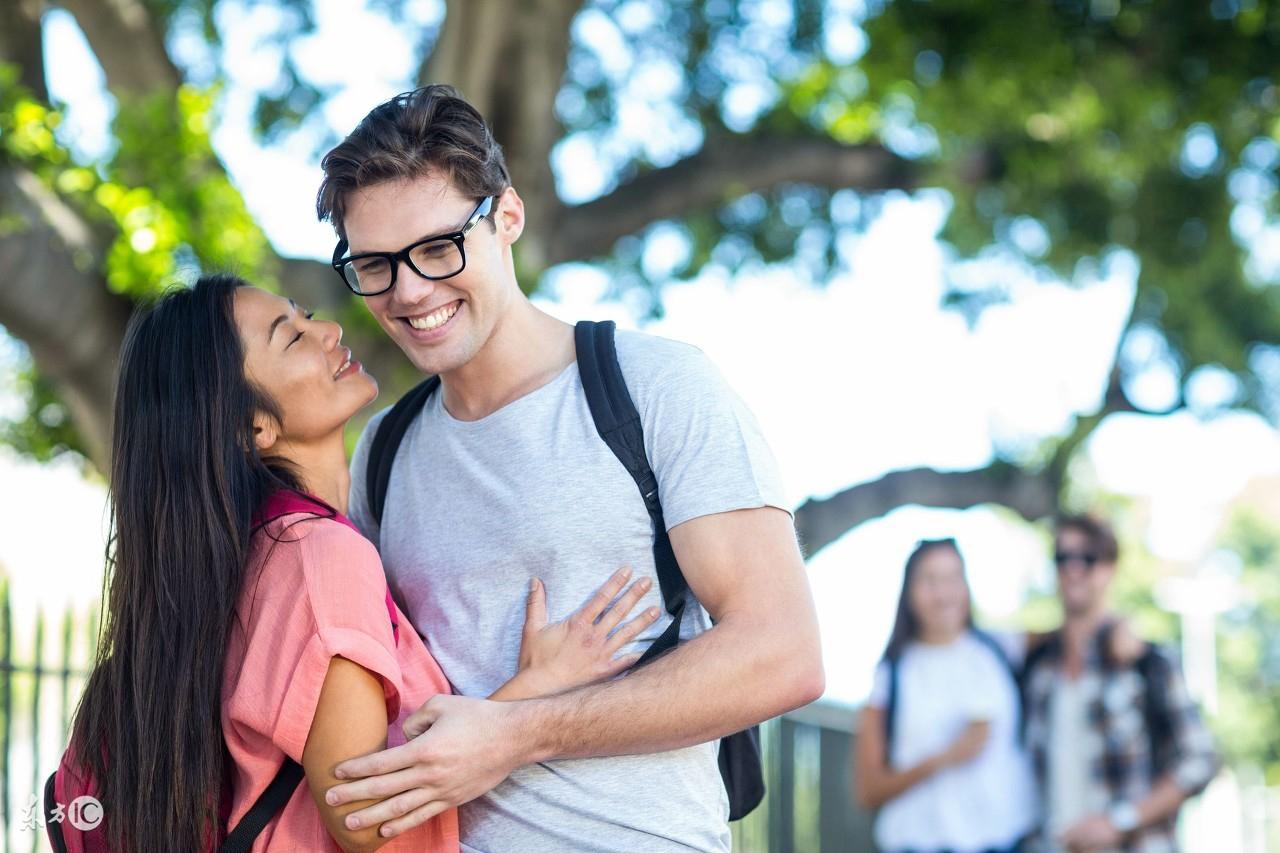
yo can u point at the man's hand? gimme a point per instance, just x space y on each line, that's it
458 749
1091 833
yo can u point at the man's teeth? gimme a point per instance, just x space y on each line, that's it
435 319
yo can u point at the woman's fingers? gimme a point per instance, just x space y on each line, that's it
599 603
624 605
632 629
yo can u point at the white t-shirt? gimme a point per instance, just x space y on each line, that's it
474 509
988 802
1075 747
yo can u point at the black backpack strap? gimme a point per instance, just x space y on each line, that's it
386 441
890 708
268 805
52 822
1154 669
619 425
1001 655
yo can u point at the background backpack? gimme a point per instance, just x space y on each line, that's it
618 424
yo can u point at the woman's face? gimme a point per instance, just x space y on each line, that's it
302 366
939 596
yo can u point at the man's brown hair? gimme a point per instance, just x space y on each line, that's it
431 129
1102 539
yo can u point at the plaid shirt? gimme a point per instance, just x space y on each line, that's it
1141 745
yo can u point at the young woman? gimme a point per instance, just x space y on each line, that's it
938 741
248 623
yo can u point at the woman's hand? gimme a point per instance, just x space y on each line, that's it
581 649
968 745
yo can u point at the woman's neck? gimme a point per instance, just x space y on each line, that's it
939 636
322 468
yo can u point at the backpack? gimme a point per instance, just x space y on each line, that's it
619 426
69 783
891 704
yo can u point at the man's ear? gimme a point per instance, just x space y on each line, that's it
265 432
510 216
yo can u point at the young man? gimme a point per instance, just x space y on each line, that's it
1118 747
503 477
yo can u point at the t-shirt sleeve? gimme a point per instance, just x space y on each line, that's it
705 446
342 594
358 509
879 697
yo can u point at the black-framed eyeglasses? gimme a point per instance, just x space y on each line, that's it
434 258
1062 559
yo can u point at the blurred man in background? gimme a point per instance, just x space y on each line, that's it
1117 747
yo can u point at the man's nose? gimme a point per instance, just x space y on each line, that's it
411 289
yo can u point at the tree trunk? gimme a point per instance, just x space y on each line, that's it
59 305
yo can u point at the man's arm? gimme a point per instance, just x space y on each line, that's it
761 659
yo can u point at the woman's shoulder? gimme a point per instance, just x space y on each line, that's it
309 549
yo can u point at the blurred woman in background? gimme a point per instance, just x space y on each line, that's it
939 739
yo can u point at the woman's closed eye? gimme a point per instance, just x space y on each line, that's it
298 336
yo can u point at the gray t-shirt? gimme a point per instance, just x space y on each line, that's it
475 509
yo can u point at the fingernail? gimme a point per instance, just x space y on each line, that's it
533 584
653 613
646 583
353 822
331 798
626 571
385 832
339 773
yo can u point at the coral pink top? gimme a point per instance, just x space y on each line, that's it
317 593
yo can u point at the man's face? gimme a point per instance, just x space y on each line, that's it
441 325
1083 577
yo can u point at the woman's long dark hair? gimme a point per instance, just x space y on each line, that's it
906 625
186 479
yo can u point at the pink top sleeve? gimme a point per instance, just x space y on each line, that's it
317 593
338 593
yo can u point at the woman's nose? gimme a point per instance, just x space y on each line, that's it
331 334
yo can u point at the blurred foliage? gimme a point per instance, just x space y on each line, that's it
161 209
1249 649
47 432
157 198
1063 134
1070 129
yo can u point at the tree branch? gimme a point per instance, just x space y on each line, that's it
57 302
821 521
724 168
128 44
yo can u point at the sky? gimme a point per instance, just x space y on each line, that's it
850 378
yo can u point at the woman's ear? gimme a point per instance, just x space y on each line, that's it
265 432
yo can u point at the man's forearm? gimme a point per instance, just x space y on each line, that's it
725 680
1163 802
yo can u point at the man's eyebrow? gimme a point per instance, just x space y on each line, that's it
277 321
432 236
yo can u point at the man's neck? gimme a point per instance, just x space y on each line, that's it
1078 631
526 350
322 467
